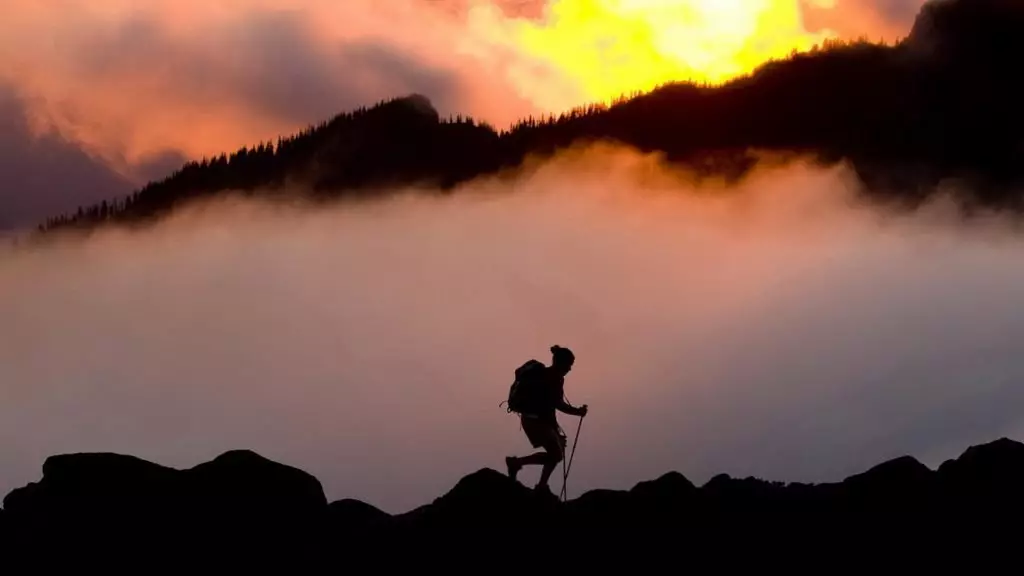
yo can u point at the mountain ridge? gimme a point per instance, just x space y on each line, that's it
939 106
242 510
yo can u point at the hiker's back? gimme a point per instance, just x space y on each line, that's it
534 390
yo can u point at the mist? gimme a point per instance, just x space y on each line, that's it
777 328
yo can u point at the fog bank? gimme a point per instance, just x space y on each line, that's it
777 329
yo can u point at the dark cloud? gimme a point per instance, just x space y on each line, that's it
291 76
45 175
270 61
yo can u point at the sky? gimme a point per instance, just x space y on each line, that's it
98 98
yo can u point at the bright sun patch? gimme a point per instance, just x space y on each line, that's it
614 47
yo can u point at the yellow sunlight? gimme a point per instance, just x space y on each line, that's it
615 47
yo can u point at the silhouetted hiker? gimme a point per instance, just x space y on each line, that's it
536 394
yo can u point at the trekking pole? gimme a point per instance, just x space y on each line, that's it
565 474
565 470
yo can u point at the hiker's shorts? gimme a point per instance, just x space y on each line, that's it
543 434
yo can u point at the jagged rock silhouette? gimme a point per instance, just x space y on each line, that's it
241 511
111 508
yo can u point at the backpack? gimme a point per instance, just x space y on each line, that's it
527 394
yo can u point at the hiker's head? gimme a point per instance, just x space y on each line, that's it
562 359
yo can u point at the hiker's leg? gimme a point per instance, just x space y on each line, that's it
555 450
535 458
552 460
537 433
516 463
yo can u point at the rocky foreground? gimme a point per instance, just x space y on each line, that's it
242 512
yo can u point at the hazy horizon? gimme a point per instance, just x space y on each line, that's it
778 329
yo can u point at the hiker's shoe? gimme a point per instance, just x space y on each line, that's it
543 490
513 466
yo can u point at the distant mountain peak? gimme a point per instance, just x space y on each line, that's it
421 104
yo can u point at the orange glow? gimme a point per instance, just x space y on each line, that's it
615 47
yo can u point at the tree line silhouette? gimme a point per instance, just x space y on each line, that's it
943 103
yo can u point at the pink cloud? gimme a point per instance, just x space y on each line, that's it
876 19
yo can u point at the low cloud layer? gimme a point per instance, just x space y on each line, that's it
778 329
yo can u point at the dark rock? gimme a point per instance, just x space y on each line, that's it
986 483
241 511
356 513
242 480
898 476
997 463
121 508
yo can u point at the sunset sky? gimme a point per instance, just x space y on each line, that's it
98 97
778 326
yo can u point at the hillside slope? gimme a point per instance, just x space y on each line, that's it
941 104
241 511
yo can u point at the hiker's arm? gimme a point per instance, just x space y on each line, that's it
569 408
